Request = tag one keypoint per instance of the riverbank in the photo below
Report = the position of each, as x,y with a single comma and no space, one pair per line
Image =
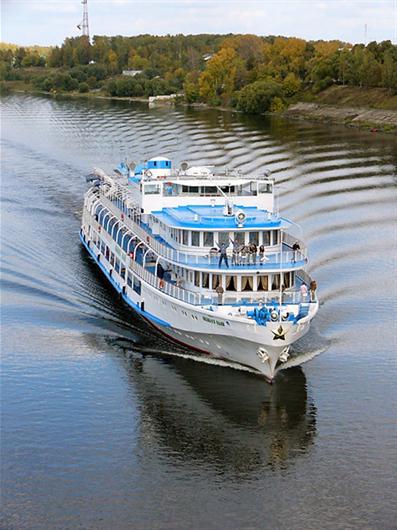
364,118
329,106
364,108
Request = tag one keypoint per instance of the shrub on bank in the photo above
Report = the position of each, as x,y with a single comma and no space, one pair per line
83,87
257,97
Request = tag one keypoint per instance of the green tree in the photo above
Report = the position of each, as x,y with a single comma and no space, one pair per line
191,87
257,97
389,70
291,85
216,83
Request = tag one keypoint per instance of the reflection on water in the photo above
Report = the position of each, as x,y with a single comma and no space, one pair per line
229,419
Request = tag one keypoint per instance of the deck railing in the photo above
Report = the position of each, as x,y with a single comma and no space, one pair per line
289,296
272,259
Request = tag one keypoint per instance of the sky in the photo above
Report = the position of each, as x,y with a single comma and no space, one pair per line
48,22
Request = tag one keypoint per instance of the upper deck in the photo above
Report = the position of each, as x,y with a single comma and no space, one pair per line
156,185
214,218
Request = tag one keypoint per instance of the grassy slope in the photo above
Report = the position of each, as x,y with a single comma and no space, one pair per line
346,96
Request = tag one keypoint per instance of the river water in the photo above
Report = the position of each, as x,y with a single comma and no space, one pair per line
101,430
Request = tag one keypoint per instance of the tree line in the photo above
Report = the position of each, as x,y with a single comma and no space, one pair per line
251,73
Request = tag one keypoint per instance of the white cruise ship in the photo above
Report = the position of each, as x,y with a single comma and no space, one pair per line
205,257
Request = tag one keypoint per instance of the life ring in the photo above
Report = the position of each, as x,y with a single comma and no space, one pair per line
161,284
131,254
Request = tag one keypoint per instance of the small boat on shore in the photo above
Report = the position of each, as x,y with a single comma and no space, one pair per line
205,257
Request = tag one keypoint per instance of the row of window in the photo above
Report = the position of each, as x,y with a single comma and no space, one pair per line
117,264
230,282
174,188
195,238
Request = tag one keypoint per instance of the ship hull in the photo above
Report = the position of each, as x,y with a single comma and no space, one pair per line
263,349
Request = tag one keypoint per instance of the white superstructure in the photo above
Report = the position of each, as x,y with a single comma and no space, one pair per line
205,257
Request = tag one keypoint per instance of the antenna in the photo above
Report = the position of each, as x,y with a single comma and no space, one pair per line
83,26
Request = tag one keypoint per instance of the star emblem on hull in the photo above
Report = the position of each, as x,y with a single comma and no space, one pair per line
279,333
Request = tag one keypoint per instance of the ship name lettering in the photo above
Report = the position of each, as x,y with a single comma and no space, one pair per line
213,321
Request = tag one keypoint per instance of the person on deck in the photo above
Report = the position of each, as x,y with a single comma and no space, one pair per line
235,252
303,290
223,254
295,248
261,254
313,288
220,291
253,250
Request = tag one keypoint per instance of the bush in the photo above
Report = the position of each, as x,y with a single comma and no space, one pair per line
291,85
257,97
276,105
83,87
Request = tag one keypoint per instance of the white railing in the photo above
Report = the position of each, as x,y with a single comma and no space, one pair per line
272,259
200,299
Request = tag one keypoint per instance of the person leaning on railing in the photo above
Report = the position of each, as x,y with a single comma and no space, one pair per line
313,288
220,292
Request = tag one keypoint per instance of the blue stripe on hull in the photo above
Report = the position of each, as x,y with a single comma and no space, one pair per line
128,300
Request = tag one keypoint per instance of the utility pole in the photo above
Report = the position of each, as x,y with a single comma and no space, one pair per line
84,24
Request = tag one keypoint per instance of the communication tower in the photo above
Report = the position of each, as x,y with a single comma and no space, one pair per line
83,26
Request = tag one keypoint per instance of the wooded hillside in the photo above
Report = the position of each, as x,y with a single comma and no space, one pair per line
251,73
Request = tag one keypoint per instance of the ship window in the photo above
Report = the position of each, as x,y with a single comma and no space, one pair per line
223,237
152,189
102,215
120,234
276,234
263,283
137,285
111,258
253,188
126,242
129,279
266,238
185,237
276,282
231,283
247,283
117,265
239,237
208,239
195,239
206,278
215,280
194,189
254,237
264,187
210,190
197,278
115,229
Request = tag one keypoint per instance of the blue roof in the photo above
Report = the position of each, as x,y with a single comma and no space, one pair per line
212,217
